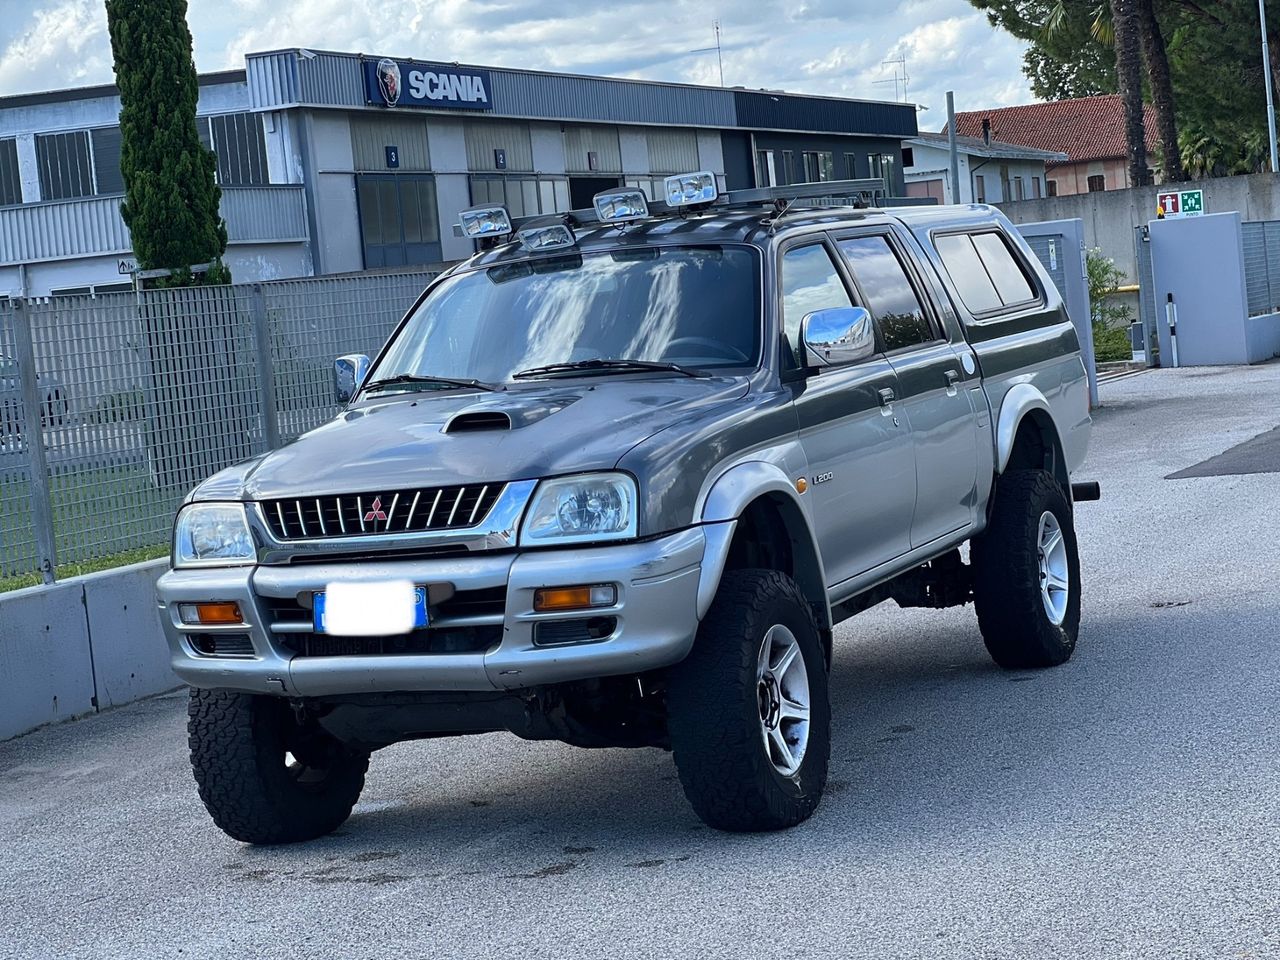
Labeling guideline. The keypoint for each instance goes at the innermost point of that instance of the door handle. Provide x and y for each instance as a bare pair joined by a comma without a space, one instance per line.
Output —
887,396
953,377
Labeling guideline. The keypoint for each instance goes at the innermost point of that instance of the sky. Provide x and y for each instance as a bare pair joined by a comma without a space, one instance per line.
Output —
834,47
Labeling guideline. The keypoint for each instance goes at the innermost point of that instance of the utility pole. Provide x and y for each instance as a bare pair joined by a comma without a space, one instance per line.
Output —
1266,72
951,144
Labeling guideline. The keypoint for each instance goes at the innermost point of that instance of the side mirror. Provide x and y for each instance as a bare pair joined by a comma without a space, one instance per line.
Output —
348,373
837,336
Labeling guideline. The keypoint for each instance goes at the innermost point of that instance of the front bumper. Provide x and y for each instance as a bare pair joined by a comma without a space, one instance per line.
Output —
657,613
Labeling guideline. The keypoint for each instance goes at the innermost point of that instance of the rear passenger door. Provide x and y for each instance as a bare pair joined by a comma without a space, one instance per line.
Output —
861,466
933,382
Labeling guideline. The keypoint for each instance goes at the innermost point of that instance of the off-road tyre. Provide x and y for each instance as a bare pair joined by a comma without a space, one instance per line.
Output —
1016,626
238,747
714,711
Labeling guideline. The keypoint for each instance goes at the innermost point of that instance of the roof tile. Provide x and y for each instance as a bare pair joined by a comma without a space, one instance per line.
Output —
1087,128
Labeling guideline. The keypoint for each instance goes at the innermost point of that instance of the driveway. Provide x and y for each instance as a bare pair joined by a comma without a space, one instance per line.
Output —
1124,805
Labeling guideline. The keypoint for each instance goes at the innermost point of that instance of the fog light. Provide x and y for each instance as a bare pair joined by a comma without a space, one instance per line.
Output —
222,612
575,598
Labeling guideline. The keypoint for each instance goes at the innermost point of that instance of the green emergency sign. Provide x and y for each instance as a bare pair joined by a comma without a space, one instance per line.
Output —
1181,203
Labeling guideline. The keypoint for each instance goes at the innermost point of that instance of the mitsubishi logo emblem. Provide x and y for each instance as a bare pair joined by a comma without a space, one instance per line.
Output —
375,511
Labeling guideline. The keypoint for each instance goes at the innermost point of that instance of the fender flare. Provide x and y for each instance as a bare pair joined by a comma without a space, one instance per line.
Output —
1021,399
728,497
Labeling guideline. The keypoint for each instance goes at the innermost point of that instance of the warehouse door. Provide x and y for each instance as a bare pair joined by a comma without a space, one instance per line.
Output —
582,189
399,225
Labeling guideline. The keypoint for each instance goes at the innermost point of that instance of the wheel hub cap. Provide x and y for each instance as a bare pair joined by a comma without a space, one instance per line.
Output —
782,695
1055,583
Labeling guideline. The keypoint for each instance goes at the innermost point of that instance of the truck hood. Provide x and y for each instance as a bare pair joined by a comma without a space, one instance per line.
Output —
426,439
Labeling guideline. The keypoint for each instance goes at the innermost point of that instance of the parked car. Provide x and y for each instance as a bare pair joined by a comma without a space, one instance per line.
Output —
54,406
615,481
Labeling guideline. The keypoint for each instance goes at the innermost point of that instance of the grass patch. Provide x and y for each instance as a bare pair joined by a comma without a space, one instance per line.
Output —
65,570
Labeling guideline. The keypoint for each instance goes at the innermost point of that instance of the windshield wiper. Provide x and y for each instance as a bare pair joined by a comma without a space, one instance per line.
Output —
447,383
599,364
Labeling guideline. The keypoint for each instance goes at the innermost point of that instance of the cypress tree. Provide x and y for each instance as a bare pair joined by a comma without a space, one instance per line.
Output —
171,195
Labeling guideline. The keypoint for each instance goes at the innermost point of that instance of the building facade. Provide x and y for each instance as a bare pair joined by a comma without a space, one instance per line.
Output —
990,172
335,163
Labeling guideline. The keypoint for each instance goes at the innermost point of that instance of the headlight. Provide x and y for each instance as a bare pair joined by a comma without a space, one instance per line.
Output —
591,506
212,535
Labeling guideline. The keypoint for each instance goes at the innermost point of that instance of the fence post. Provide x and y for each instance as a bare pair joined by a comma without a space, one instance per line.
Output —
33,432
266,369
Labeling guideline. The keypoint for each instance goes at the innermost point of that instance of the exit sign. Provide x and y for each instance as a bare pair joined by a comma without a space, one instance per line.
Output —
1181,203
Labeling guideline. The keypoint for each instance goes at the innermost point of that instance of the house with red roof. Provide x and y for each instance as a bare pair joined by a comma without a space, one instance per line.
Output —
1089,130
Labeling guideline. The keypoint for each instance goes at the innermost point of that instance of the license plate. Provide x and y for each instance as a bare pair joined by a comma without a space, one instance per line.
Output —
320,610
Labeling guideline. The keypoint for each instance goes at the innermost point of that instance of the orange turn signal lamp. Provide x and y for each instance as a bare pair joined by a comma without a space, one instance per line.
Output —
221,613
550,599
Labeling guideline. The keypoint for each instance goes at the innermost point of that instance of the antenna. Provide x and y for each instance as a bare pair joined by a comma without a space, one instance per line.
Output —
715,24
900,76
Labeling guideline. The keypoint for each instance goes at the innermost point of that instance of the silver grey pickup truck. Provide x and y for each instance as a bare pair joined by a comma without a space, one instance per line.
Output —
615,479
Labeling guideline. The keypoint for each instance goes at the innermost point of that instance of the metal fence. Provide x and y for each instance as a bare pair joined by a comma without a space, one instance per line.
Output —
1262,266
138,397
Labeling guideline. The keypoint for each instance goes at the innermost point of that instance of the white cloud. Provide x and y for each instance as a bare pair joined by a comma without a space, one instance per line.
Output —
60,45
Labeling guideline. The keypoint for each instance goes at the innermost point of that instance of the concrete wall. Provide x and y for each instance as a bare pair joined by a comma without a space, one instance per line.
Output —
81,645
1109,217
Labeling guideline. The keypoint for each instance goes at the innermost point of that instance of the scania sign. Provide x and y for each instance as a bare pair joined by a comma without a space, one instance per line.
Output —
406,83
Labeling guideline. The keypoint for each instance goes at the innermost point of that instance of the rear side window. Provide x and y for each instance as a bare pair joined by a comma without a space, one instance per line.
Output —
890,296
985,272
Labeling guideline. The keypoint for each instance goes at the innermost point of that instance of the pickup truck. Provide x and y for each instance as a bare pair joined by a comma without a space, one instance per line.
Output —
615,479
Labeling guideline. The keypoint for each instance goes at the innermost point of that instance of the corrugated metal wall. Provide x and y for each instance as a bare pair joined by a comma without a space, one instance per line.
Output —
371,135
602,141
776,111
264,214
672,151
485,136
52,231
272,79
331,78
1262,265
621,101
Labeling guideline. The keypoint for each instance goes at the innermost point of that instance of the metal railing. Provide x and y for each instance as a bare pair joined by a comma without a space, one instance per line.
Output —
137,397
1262,266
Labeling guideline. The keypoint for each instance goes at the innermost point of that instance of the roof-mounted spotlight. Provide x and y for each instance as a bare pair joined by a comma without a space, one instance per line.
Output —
621,206
553,236
479,223
686,189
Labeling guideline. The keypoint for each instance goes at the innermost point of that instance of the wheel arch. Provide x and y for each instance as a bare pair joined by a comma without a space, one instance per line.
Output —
1027,437
760,521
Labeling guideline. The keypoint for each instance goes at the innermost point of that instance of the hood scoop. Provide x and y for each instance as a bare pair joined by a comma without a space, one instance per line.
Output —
478,420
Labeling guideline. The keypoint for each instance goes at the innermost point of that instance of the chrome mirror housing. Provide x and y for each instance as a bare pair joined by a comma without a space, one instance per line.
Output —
348,373
837,336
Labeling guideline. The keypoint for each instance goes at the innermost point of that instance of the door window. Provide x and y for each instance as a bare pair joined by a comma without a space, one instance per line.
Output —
810,282
888,291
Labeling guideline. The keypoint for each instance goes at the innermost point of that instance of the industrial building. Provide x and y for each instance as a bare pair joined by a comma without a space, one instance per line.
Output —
335,163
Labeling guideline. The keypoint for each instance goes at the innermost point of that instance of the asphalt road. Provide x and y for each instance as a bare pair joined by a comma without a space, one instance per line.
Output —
1123,805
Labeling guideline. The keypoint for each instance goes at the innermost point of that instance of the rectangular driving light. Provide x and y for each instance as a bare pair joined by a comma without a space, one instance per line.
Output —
549,599
480,222
551,237
220,613
685,189
621,206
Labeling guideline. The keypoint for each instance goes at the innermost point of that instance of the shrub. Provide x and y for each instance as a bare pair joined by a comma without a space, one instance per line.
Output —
1109,317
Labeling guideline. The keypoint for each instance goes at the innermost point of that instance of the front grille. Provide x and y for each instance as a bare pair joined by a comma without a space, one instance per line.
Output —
221,644
379,513
554,633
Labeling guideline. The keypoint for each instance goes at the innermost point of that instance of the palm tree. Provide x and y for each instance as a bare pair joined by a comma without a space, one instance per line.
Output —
1124,21
1153,51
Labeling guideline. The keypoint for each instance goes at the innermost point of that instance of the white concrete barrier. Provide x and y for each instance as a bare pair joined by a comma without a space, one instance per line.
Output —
81,645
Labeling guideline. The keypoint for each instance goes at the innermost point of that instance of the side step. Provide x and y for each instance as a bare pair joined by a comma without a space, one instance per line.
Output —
1086,490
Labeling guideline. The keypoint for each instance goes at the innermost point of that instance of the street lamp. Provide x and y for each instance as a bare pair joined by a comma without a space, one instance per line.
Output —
1266,73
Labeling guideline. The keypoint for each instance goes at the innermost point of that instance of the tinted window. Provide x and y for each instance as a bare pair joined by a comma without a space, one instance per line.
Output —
1011,283
62,160
693,306
809,282
890,296
106,159
967,273
10,182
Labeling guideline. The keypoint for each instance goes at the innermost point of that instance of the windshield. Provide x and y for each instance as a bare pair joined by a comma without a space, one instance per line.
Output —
693,306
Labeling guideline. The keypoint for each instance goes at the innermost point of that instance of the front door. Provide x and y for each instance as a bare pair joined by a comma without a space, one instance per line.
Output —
933,384
854,434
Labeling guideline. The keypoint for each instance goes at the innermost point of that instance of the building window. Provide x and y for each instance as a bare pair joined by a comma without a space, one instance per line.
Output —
1018,193
62,160
241,148
882,168
106,160
10,181
788,166
1097,183
851,166
1052,187
979,188
819,166
529,196
399,224
766,168
1035,188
